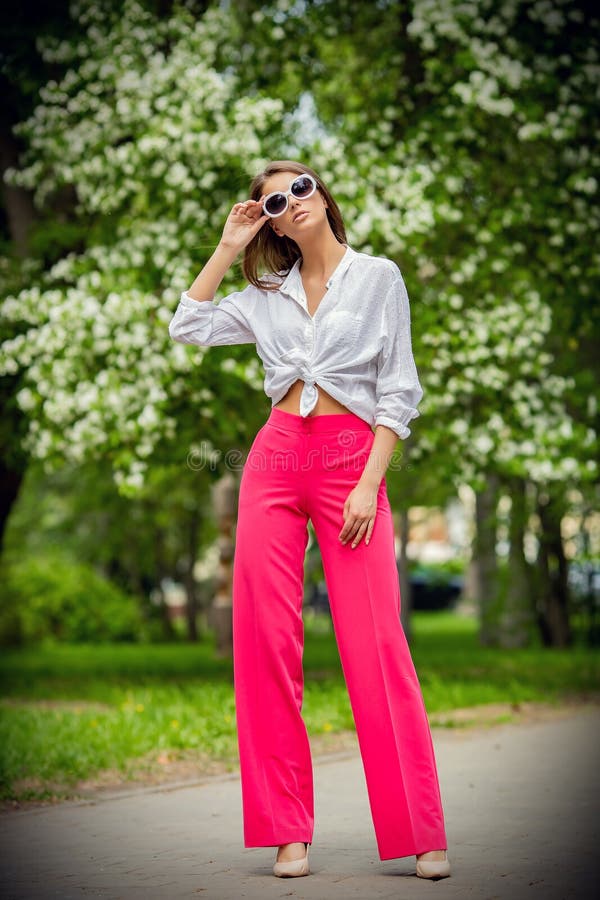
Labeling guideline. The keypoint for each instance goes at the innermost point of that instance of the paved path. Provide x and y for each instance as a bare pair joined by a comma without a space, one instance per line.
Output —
521,804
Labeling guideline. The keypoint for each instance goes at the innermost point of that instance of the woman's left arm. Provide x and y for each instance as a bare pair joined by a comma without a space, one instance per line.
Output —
399,393
361,503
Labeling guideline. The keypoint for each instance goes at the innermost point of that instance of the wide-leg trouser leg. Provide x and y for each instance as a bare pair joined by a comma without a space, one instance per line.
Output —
389,712
268,639
299,468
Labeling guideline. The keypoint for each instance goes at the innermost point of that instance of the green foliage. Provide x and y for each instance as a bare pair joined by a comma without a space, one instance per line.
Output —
49,597
440,572
135,542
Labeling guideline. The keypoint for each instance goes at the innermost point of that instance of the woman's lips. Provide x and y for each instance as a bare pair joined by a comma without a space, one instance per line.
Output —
299,216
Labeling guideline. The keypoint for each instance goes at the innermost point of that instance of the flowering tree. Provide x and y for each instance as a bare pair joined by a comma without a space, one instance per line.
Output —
467,132
157,145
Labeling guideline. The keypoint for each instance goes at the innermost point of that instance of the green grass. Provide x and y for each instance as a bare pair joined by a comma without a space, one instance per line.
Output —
454,671
70,713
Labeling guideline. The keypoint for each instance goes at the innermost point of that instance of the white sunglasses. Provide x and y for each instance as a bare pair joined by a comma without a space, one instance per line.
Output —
276,203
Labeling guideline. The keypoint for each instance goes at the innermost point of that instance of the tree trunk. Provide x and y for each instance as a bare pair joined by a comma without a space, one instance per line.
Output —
553,601
20,211
225,504
10,483
588,603
189,580
517,616
20,215
484,562
162,569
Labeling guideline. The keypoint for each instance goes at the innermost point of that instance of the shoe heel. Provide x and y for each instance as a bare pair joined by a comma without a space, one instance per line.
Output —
293,868
433,868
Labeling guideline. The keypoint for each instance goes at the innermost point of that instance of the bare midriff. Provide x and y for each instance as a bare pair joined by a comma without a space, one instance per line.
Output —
326,405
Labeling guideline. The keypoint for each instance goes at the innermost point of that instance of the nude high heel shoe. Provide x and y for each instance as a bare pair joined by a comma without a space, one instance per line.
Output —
292,867
433,868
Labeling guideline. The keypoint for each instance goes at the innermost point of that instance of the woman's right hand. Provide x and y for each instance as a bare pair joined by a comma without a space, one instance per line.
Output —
243,222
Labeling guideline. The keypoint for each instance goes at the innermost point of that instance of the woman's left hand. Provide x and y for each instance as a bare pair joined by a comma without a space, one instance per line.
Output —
359,514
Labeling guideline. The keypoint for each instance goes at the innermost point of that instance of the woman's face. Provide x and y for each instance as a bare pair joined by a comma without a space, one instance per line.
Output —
301,215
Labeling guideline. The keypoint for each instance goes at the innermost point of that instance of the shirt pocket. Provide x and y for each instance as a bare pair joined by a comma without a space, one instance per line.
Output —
347,326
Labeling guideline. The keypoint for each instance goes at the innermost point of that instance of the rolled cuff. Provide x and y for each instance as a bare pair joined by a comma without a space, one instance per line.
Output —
401,428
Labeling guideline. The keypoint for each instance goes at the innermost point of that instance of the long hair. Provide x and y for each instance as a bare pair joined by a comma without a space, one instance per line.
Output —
277,254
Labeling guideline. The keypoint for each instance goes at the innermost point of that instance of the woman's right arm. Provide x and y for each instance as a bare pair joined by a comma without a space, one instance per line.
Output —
207,283
198,319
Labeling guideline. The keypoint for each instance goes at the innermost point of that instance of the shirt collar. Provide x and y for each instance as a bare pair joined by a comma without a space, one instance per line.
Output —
292,283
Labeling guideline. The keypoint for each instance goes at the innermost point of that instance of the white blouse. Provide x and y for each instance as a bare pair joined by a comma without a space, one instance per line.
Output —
357,346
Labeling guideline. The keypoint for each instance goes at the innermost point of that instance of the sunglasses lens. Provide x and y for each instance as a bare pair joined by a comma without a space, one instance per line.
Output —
276,204
302,186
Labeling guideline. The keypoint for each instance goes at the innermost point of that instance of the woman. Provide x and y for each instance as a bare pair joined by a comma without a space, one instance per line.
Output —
332,327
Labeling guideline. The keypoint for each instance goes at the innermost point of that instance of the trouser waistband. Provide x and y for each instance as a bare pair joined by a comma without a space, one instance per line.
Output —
317,424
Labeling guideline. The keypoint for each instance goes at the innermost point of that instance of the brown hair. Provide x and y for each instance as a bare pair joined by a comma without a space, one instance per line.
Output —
280,253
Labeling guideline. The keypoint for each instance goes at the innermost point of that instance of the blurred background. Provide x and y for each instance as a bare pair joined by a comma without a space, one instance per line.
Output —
459,140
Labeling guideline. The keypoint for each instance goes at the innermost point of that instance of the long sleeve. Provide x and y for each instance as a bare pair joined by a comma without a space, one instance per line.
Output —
398,389
209,323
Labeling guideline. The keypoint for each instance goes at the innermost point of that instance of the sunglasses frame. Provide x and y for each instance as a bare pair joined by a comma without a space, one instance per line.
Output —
287,193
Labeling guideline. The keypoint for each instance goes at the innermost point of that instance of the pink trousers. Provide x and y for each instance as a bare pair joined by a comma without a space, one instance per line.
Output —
300,468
